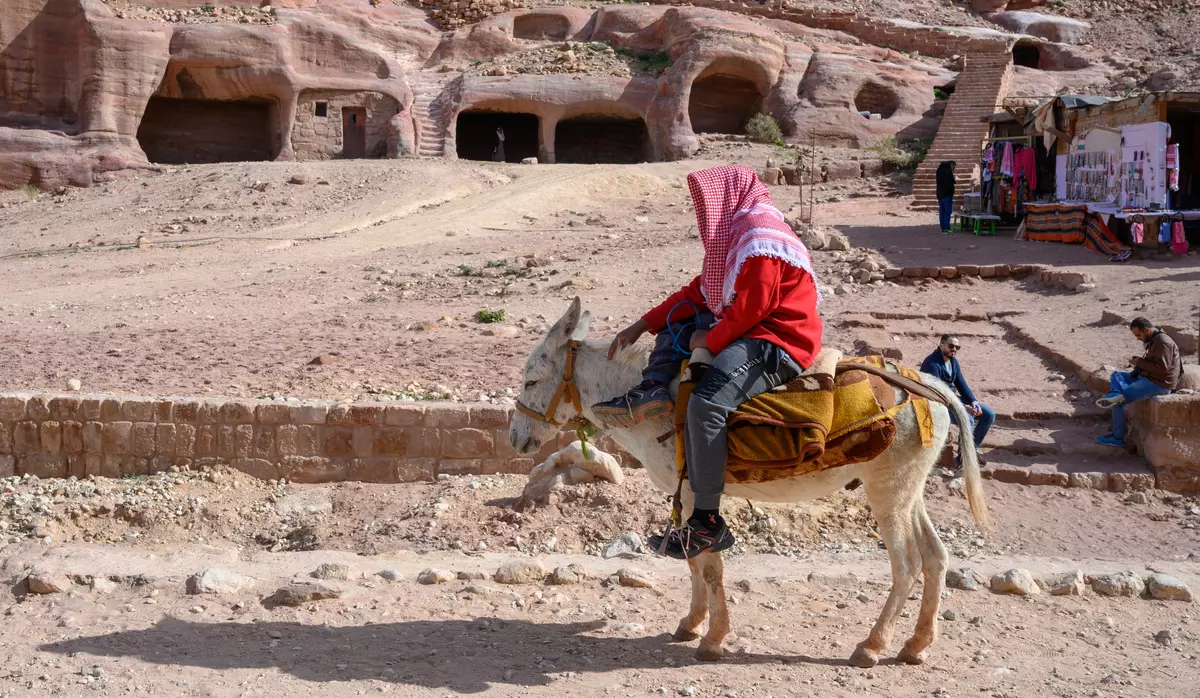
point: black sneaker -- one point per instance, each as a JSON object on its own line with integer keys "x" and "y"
{"x": 644, "y": 402}
{"x": 691, "y": 540}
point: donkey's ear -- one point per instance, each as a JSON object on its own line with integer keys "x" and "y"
{"x": 581, "y": 328}
{"x": 565, "y": 327}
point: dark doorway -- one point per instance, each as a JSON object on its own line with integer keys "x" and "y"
{"x": 601, "y": 139}
{"x": 874, "y": 98}
{"x": 475, "y": 135}
{"x": 179, "y": 131}
{"x": 1185, "y": 130}
{"x": 1027, "y": 54}
{"x": 723, "y": 104}
{"x": 354, "y": 132}
{"x": 541, "y": 27}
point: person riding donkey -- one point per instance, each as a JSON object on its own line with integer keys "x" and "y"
{"x": 754, "y": 306}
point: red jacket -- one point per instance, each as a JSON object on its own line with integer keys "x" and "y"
{"x": 773, "y": 300}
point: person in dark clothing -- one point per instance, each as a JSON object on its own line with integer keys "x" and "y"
{"x": 943, "y": 364}
{"x": 945, "y": 192}
{"x": 1156, "y": 373}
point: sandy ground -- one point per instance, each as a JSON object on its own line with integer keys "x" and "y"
{"x": 383, "y": 266}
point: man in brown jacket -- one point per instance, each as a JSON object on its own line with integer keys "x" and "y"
{"x": 1156, "y": 373}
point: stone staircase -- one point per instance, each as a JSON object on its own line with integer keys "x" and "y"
{"x": 431, "y": 106}
{"x": 979, "y": 91}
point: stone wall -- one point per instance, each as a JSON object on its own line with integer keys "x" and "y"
{"x": 320, "y": 137}
{"x": 1166, "y": 432}
{"x": 103, "y": 435}
{"x": 450, "y": 14}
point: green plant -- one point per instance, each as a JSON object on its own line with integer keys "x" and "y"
{"x": 646, "y": 63}
{"x": 32, "y": 192}
{"x": 940, "y": 94}
{"x": 496, "y": 263}
{"x": 903, "y": 154}
{"x": 763, "y": 129}
{"x": 208, "y": 9}
{"x": 489, "y": 316}
{"x": 467, "y": 270}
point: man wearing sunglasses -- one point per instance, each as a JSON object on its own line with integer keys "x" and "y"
{"x": 943, "y": 364}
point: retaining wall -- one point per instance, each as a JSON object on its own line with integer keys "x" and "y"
{"x": 52, "y": 435}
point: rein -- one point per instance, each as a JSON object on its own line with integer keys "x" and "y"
{"x": 569, "y": 390}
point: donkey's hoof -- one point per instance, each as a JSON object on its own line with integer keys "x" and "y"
{"x": 909, "y": 657}
{"x": 709, "y": 654}
{"x": 682, "y": 634}
{"x": 864, "y": 658}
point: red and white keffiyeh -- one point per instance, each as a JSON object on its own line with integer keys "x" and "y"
{"x": 737, "y": 221}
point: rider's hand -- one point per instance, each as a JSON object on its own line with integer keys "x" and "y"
{"x": 699, "y": 340}
{"x": 628, "y": 337}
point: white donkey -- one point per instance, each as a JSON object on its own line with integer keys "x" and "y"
{"x": 565, "y": 375}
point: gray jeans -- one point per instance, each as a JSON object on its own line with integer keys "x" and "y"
{"x": 745, "y": 369}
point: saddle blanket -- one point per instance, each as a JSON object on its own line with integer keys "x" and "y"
{"x": 836, "y": 413}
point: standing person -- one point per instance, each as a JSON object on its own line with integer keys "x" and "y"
{"x": 498, "y": 152}
{"x": 1155, "y": 373}
{"x": 754, "y": 306}
{"x": 943, "y": 365}
{"x": 945, "y": 193}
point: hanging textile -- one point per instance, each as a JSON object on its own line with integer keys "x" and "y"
{"x": 1179, "y": 244}
{"x": 1099, "y": 239}
{"x": 1164, "y": 232}
{"x": 1138, "y": 230}
{"x": 1025, "y": 165}
{"x": 1006, "y": 161}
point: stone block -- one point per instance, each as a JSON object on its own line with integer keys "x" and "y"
{"x": 264, "y": 442}
{"x": 1056, "y": 479}
{"x": 185, "y": 440}
{"x": 460, "y": 466}
{"x": 338, "y": 441}
{"x": 508, "y": 466}
{"x": 310, "y": 413}
{"x": 921, "y": 272}
{"x": 987, "y": 271}
{"x": 43, "y": 465}
{"x": 489, "y": 416}
{"x": 72, "y": 437}
{"x": 6, "y": 445}
{"x": 373, "y": 469}
{"x": 110, "y": 409}
{"x": 1003, "y": 472}
{"x": 501, "y": 445}
{"x": 1000, "y": 271}
{"x": 273, "y": 413}
{"x": 75, "y": 466}
{"x": 144, "y": 434}
{"x": 37, "y": 408}
{"x": 447, "y": 415}
{"x": 8, "y": 466}
{"x": 312, "y": 469}
{"x": 287, "y": 440}
{"x": 162, "y": 410}
{"x": 209, "y": 412}
{"x": 403, "y": 415}
{"x": 893, "y": 273}
{"x": 948, "y": 273}
{"x": 364, "y": 438}
{"x": 391, "y": 442}
{"x": 355, "y": 415}
{"x": 93, "y": 441}
{"x": 1088, "y": 481}
{"x": 968, "y": 270}
{"x": 64, "y": 409}
{"x": 872, "y": 168}
{"x": 237, "y": 412}
{"x": 1174, "y": 410}
{"x": 256, "y": 467}
{"x": 164, "y": 439}
{"x": 1020, "y": 271}
{"x": 308, "y": 440}
{"x": 117, "y": 438}
{"x": 89, "y": 409}
{"x": 185, "y": 411}
{"x": 207, "y": 440}
{"x": 416, "y": 469}
{"x": 111, "y": 466}
{"x": 137, "y": 410}
{"x": 12, "y": 408}
{"x": 26, "y": 438}
{"x": 243, "y": 440}
{"x": 466, "y": 443}
{"x": 841, "y": 170}
{"x": 225, "y": 441}
{"x": 51, "y": 436}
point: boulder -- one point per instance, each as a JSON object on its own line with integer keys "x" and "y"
{"x": 302, "y": 591}
{"x": 963, "y": 578}
{"x": 520, "y": 572}
{"x": 435, "y": 576}
{"x": 335, "y": 571}
{"x": 571, "y": 574}
{"x": 47, "y": 582}
{"x": 637, "y": 579}
{"x": 626, "y": 545}
{"x": 1061, "y": 30}
{"x": 1064, "y": 584}
{"x": 1125, "y": 583}
{"x": 838, "y": 243}
{"x": 218, "y": 581}
{"x": 1164, "y": 587}
{"x": 1018, "y": 582}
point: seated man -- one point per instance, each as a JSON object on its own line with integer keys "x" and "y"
{"x": 1156, "y": 373}
{"x": 943, "y": 364}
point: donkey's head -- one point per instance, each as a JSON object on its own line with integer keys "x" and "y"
{"x": 543, "y": 375}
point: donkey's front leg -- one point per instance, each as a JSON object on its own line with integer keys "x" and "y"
{"x": 689, "y": 627}
{"x": 712, "y": 570}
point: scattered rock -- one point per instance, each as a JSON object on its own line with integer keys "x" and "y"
{"x": 626, "y": 545}
{"x": 434, "y": 576}
{"x": 529, "y": 161}
{"x": 100, "y": 585}
{"x": 637, "y": 579}
{"x": 48, "y": 582}
{"x": 520, "y": 572}
{"x": 302, "y": 591}
{"x": 838, "y": 243}
{"x": 298, "y": 179}
{"x": 335, "y": 571}
{"x": 1137, "y": 498}
{"x": 1118, "y": 584}
{"x": 744, "y": 585}
{"x": 1164, "y": 587}
{"x": 1065, "y": 584}
{"x": 391, "y": 574}
{"x": 74, "y": 385}
{"x": 218, "y": 581}
{"x": 1166, "y": 638}
{"x": 1015, "y": 581}
{"x": 949, "y": 615}
{"x": 304, "y": 502}
{"x": 571, "y": 574}
{"x": 325, "y": 360}
{"x": 471, "y": 576}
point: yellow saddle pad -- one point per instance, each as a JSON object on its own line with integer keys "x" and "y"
{"x": 814, "y": 423}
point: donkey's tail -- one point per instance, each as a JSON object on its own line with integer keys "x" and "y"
{"x": 970, "y": 459}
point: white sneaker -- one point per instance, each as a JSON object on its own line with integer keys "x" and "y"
{"x": 1110, "y": 401}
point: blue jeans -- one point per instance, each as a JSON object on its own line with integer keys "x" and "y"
{"x": 980, "y": 425}
{"x": 945, "y": 208}
{"x": 1134, "y": 389}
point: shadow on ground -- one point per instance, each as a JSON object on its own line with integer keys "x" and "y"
{"x": 459, "y": 655}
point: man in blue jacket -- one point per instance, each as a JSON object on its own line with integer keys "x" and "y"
{"x": 943, "y": 364}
